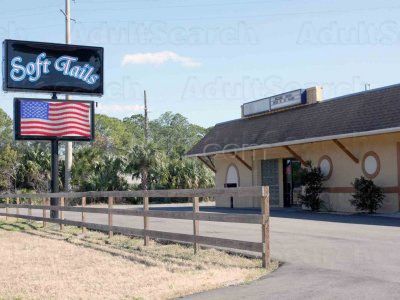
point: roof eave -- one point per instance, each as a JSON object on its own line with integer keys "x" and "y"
{"x": 302, "y": 141}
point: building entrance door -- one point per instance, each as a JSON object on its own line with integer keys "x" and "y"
{"x": 291, "y": 181}
{"x": 270, "y": 177}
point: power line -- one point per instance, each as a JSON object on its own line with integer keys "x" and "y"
{"x": 25, "y": 15}
{"x": 40, "y": 27}
{"x": 249, "y": 17}
{"x": 177, "y": 6}
{"x": 29, "y": 9}
{"x": 204, "y": 18}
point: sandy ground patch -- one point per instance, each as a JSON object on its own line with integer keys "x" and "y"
{"x": 39, "y": 263}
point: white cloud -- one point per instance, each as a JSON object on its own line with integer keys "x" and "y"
{"x": 104, "y": 108}
{"x": 159, "y": 58}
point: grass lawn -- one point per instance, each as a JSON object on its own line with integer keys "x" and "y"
{"x": 38, "y": 263}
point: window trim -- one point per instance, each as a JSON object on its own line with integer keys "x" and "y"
{"x": 378, "y": 165}
{"x": 323, "y": 157}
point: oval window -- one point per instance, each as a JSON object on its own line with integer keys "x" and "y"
{"x": 325, "y": 164}
{"x": 371, "y": 165}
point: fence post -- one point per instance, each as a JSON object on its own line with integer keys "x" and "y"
{"x": 61, "y": 212}
{"x": 196, "y": 209}
{"x": 265, "y": 228}
{"x": 44, "y": 211}
{"x": 30, "y": 209}
{"x": 7, "y": 202}
{"x": 145, "y": 220}
{"x": 110, "y": 216}
{"x": 17, "y": 202}
{"x": 83, "y": 214}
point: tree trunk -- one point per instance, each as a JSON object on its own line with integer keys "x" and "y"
{"x": 145, "y": 173}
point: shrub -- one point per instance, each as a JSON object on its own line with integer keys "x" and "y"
{"x": 312, "y": 178}
{"x": 368, "y": 196}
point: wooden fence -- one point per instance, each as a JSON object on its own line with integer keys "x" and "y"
{"x": 195, "y": 215}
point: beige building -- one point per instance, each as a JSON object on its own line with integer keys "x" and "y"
{"x": 347, "y": 137}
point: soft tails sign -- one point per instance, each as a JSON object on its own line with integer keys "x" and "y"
{"x": 274, "y": 102}
{"x": 39, "y": 119}
{"x": 54, "y": 68}
{"x": 287, "y": 99}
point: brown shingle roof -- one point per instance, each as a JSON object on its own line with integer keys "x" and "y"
{"x": 355, "y": 113}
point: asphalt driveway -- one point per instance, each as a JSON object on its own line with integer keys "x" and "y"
{"x": 327, "y": 256}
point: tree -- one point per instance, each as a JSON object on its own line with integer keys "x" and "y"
{"x": 135, "y": 121}
{"x": 368, "y": 196}
{"x": 97, "y": 171}
{"x": 188, "y": 174}
{"x": 312, "y": 178}
{"x": 34, "y": 168}
{"x": 114, "y": 135}
{"x": 148, "y": 161}
{"x": 6, "y": 129}
{"x": 8, "y": 154}
{"x": 174, "y": 134}
{"x": 8, "y": 168}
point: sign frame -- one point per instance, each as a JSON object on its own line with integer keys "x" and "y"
{"x": 6, "y": 68}
{"x": 269, "y": 106}
{"x": 301, "y": 100}
{"x": 17, "y": 122}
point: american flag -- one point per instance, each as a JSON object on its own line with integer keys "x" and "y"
{"x": 59, "y": 119}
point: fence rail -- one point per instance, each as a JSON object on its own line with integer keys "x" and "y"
{"x": 195, "y": 215}
{"x": 253, "y": 191}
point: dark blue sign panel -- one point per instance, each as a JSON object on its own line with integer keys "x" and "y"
{"x": 54, "y": 68}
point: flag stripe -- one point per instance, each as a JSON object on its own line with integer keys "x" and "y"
{"x": 75, "y": 113}
{"x": 55, "y": 118}
{"x": 55, "y": 131}
{"x": 60, "y": 133}
{"x": 57, "y": 122}
{"x": 52, "y": 127}
{"x": 78, "y": 105}
{"x": 73, "y": 108}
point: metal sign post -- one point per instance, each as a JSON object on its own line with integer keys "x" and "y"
{"x": 54, "y": 173}
{"x": 54, "y": 178}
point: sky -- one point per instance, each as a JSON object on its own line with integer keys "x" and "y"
{"x": 204, "y": 58}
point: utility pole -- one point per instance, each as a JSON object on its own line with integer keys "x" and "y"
{"x": 145, "y": 171}
{"x": 54, "y": 214}
{"x": 68, "y": 148}
{"x": 146, "y": 120}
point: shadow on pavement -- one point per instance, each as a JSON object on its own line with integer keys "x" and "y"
{"x": 297, "y": 213}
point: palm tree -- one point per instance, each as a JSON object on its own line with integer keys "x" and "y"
{"x": 34, "y": 171}
{"x": 187, "y": 173}
{"x": 94, "y": 170}
{"x": 145, "y": 161}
